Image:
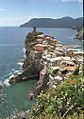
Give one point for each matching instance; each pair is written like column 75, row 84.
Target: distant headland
column 64, row 22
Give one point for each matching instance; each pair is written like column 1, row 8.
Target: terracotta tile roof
column 40, row 47
column 70, row 68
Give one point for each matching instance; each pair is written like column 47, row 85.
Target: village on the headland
column 58, row 61
column 49, row 60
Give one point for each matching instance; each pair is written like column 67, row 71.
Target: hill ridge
column 64, row 22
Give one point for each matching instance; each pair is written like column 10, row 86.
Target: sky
column 17, row 12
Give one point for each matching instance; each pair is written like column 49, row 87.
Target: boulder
column 18, row 78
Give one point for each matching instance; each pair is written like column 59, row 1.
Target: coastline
column 44, row 64
column 37, row 48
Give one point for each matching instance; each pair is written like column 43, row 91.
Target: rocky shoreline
column 80, row 34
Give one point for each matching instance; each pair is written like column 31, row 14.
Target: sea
column 14, row 98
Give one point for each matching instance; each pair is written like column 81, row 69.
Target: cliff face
column 31, row 66
column 33, row 60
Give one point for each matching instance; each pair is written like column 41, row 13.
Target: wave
column 6, row 82
column 20, row 63
column 11, row 75
column 24, row 56
column 1, row 84
column 17, row 72
column 24, row 50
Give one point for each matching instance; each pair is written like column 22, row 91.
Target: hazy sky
column 16, row 12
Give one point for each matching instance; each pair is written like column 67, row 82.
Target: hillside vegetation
column 64, row 101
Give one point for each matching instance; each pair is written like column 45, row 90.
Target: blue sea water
column 15, row 97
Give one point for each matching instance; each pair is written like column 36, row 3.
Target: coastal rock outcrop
column 41, row 84
column 30, row 71
column 48, row 61
column 31, row 67
column 80, row 35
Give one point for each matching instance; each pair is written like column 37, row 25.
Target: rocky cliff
column 47, row 60
column 31, row 67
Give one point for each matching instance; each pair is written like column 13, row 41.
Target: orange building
column 70, row 68
column 40, row 47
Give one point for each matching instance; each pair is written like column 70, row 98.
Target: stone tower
column 34, row 30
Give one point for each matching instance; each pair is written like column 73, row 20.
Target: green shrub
column 76, row 72
column 66, row 97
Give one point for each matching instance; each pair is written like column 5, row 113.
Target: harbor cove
column 15, row 97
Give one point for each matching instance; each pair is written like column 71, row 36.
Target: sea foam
column 24, row 50
column 6, row 82
column 20, row 63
